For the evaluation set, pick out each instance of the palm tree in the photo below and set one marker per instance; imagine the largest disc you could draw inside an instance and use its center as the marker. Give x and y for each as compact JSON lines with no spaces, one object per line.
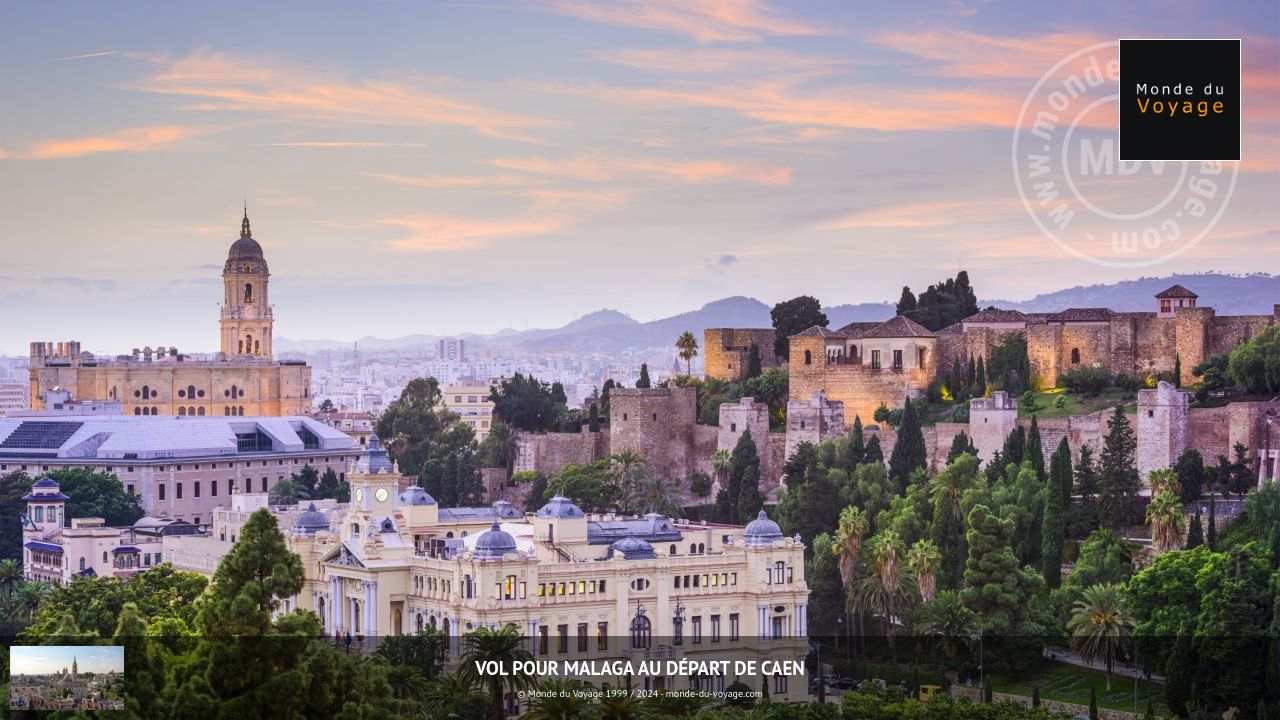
{"x":1167,"y":520}
{"x":451,"y":691}
{"x":504,"y":439}
{"x":1100,"y":625}
{"x":688,"y":346}
{"x":721,"y":463}
{"x":504,"y":645}
{"x":848,"y":542}
{"x":29,"y":597}
{"x":924,"y":559}
{"x":886,"y":554}
{"x":10,"y":577}
{"x":888,"y":591}
{"x":948,"y":621}
{"x":652,"y":493}
{"x":1164,"y":479}
{"x":626,"y":465}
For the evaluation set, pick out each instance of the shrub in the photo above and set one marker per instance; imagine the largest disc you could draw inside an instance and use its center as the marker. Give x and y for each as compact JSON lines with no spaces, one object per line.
{"x":1060,"y":402}
{"x":700,"y":485}
{"x":1128,"y":382}
{"x":1088,"y":380}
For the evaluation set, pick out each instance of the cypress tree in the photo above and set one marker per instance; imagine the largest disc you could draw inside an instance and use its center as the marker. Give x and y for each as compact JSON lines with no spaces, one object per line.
{"x":1055,"y":515}
{"x":1034,"y":450}
{"x":986,"y":691}
{"x":1118,"y":481}
{"x":971,"y":375}
{"x":980,"y":378}
{"x":752,"y":500}
{"x":1211,"y":537}
{"x":754,"y":365}
{"x":909,"y":451}
{"x":994,"y":469}
{"x":593,"y":418}
{"x":1093,"y":704}
{"x":956,"y":382}
{"x":960,"y":445}
{"x":744,"y":457}
{"x":1015,"y":447}
{"x":857,"y":447}
{"x":1150,"y":714}
{"x":643,"y":382}
{"x":1035,"y":696}
{"x":874,"y":453}
{"x":1177,"y":371}
{"x":1195,"y":533}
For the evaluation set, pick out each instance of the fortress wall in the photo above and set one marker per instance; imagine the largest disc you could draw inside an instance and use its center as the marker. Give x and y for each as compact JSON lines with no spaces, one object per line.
{"x":725,"y":351}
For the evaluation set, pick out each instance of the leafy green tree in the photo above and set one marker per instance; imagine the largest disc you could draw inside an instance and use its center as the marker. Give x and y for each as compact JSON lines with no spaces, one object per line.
{"x":1263,"y":512}
{"x":1034,"y":452}
{"x":947,"y":490}
{"x":95,"y":603}
{"x":906,"y":302}
{"x":421,"y":651}
{"x":526,"y":403}
{"x":1241,"y":479}
{"x":591,"y":487}
{"x":1118,"y":481}
{"x":1105,"y":557}
{"x":909,"y":452}
{"x":1015,"y":447}
{"x":755,"y":365}
{"x":329,"y":486}
{"x":1055,"y":515}
{"x":644,"y":381}
{"x":1254,"y":365}
{"x":941,"y":304}
{"x":700,"y":485}
{"x":326,"y":406}
{"x":961,"y":444}
{"x":826,"y":590}
{"x":1232,"y":624}
{"x":744,"y":457}
{"x":793,"y":316}
{"x":1195,"y":532}
{"x":96,"y":494}
{"x":1190,"y":469}
{"x":999,"y":590}
{"x":1211,"y":538}
{"x":503,"y":645}
{"x":417,"y":428}
{"x":874,"y":454}
{"x":1009,"y":366}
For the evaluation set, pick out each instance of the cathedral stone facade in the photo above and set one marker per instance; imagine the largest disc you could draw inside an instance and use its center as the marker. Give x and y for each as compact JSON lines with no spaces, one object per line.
{"x":241,"y":379}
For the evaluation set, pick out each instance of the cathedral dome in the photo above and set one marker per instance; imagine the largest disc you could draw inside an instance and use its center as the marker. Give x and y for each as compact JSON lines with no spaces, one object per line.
{"x":633,"y":548}
{"x":246,"y":249}
{"x":560,"y":507}
{"x":761,"y":532}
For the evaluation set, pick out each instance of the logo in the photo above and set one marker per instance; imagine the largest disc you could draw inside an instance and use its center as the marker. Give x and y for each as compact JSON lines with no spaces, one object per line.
{"x":1091,"y":203}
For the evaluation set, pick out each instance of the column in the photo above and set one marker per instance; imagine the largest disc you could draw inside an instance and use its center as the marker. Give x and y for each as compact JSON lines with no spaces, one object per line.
{"x":335,"y":604}
{"x":533,"y":637}
{"x":371,"y":607}
{"x":1263,"y":463}
{"x":453,"y":636}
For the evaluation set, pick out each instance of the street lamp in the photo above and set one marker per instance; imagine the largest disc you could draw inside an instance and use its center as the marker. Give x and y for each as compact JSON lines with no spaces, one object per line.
{"x":840,"y":626}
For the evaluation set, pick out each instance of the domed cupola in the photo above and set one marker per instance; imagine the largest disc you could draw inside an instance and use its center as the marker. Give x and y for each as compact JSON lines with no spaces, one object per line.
{"x":633,"y":548}
{"x":761,"y":532}
{"x":310,"y":522}
{"x":560,"y":507}
{"x":494,"y":543}
{"x":374,"y":458}
{"x":245,"y":249}
{"x":416,"y":496}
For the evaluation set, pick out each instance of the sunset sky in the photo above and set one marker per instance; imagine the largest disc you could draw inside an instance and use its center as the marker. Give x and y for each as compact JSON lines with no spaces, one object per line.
{"x":50,"y":659}
{"x":452,"y":167}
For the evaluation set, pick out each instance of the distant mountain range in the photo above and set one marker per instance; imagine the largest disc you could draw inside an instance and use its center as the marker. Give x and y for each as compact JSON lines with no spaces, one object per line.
{"x":611,"y":331}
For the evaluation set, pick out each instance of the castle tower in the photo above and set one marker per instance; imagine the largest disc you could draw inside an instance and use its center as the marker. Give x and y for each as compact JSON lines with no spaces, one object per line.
{"x":1162,"y":428}
{"x":246,"y":310}
{"x":74,"y":669}
{"x":991,"y":419}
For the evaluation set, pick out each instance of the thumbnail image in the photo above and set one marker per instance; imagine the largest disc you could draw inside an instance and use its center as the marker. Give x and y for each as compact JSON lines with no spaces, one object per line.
{"x":66,"y":677}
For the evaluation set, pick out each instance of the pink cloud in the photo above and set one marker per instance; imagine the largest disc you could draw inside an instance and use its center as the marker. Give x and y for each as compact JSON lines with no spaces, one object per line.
{"x":440,"y":233}
{"x":454,"y":181}
{"x":140,"y":139}
{"x":301,"y":94}
{"x":703,"y":20}
{"x":595,"y":166}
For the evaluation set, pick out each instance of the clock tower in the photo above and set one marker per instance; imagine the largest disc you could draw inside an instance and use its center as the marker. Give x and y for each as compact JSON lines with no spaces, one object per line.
{"x":246,"y":311}
{"x":374,"y":484}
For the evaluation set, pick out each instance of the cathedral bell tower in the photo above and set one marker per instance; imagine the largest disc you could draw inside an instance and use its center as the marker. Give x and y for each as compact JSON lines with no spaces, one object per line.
{"x":246,"y":310}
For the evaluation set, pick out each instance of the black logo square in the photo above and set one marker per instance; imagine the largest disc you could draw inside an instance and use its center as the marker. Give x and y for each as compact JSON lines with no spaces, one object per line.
{"x":1179,"y":99}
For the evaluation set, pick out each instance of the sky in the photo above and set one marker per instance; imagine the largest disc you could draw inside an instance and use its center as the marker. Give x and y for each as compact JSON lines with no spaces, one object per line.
{"x":456,"y":167}
{"x":50,"y":659}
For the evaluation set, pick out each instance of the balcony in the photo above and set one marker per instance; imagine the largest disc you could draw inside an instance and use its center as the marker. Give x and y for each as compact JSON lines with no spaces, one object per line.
{"x":661,"y":652}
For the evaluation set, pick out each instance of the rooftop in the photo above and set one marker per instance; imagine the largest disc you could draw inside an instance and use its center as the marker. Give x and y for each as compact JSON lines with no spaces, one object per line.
{"x":1175,"y":291}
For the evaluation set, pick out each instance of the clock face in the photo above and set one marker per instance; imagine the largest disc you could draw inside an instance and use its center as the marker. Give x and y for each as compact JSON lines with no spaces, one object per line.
{"x":359,"y":494}
{"x":381,"y":494}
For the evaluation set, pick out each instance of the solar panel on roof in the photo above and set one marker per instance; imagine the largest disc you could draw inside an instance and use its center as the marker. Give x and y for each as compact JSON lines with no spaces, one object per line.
{"x":41,"y":435}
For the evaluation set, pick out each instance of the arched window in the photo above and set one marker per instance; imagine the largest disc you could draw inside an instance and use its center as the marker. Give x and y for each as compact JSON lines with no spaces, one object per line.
{"x":137,"y":411}
{"x":104,"y":556}
{"x":191,"y":411}
{"x":1075,"y":356}
{"x":200,"y":411}
{"x":82,"y":563}
{"x":39,"y":513}
{"x":468,"y":587}
{"x":146,"y":392}
{"x":182,"y":411}
{"x":673,"y":550}
{"x":248,"y":292}
{"x":240,"y":348}
{"x":248,"y":342}
{"x":419,"y":623}
{"x":808,"y":358}
{"x":641,"y":632}
{"x":191,"y":391}
{"x":257,"y":348}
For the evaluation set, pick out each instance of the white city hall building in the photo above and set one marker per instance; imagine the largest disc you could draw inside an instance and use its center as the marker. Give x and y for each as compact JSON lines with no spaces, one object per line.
{"x":580,"y":587}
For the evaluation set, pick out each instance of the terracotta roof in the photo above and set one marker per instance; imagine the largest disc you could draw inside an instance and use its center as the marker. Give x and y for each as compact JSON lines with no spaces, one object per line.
{"x":952,"y":329}
{"x":899,"y":327}
{"x":1176,"y":291}
{"x":817,"y":331}
{"x":996,"y":315}
{"x":856,"y":329}
{"x":1082,"y":315}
